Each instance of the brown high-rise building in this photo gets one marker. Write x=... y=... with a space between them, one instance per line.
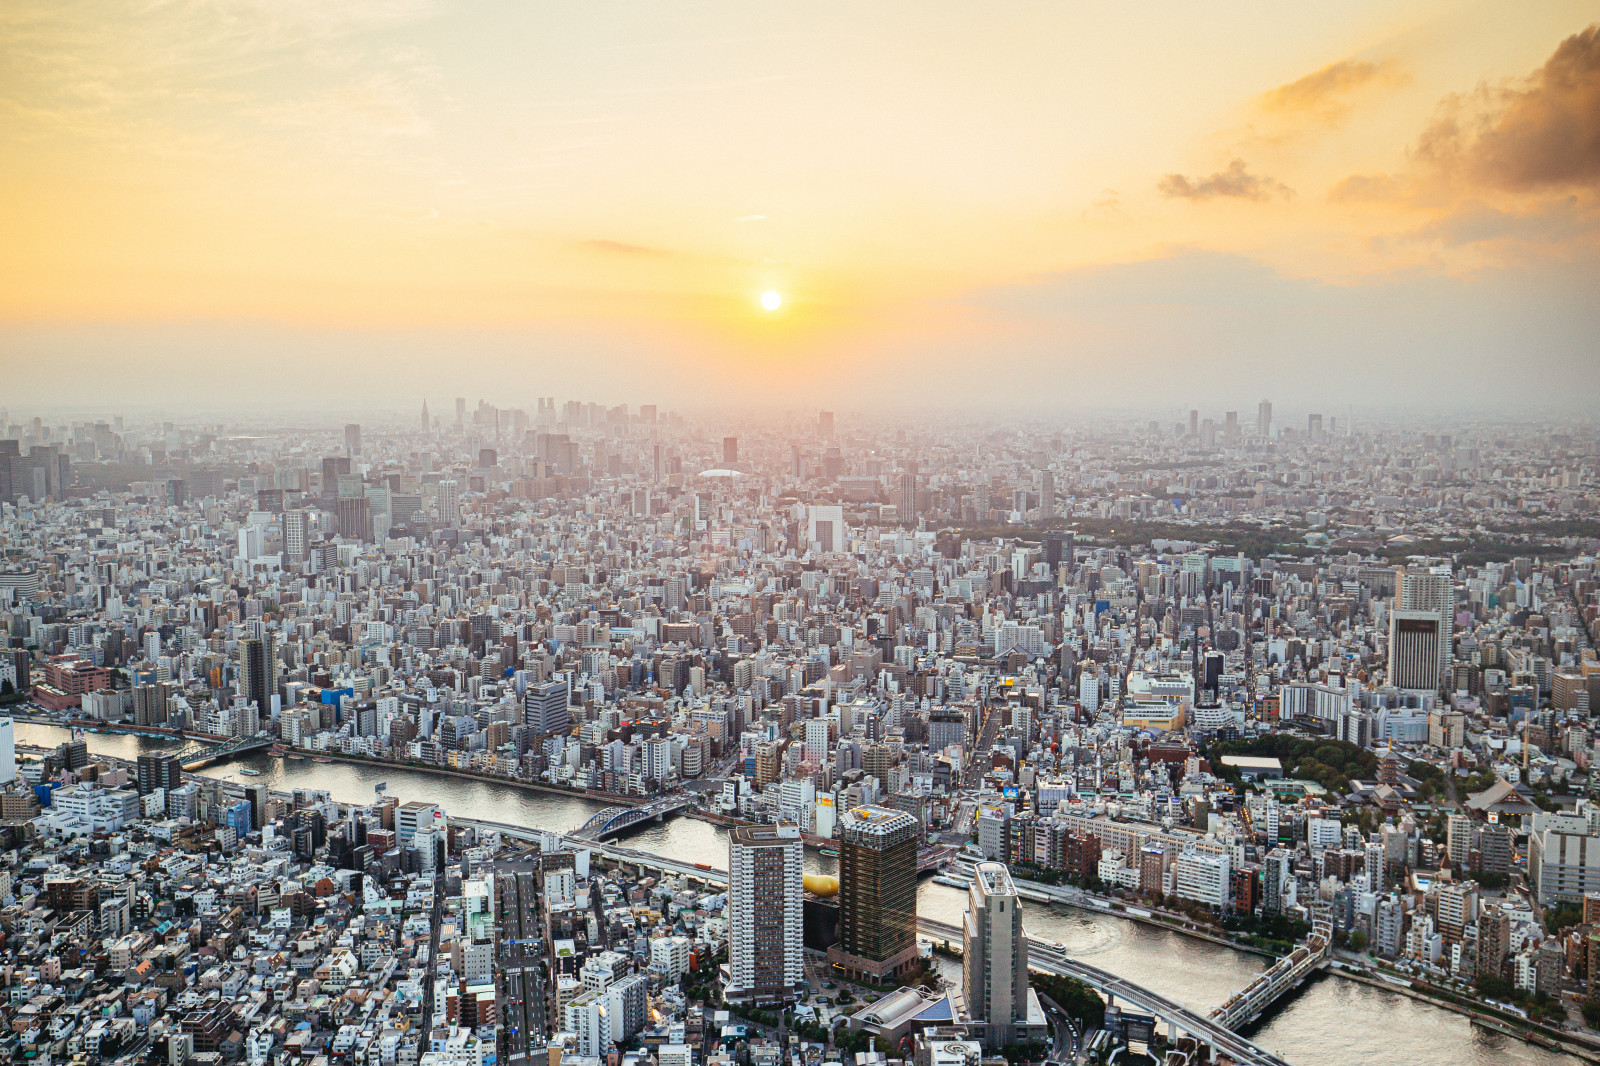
x=1494 y=942
x=877 y=894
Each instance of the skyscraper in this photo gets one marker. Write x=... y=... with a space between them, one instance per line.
x=877 y=894
x=296 y=534
x=1058 y=548
x=1414 y=658
x=1264 y=420
x=730 y=450
x=449 y=501
x=995 y=954
x=352 y=440
x=765 y=920
x=257 y=680
x=825 y=425
x=1047 y=495
x=332 y=467
x=355 y=519
x=826 y=528
x=1431 y=590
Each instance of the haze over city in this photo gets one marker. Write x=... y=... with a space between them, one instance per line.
x=1062 y=205
x=718 y=533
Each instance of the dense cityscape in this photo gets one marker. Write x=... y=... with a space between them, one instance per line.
x=1302 y=687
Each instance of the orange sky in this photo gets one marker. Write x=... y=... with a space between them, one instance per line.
x=594 y=195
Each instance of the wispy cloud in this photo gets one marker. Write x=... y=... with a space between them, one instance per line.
x=1234 y=183
x=602 y=244
x=1327 y=94
x=1367 y=189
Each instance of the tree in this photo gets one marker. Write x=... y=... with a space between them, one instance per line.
x=6 y=687
x=1591 y=1013
x=1561 y=916
x=1358 y=941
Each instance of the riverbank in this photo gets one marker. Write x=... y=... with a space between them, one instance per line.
x=1503 y=1023
x=473 y=775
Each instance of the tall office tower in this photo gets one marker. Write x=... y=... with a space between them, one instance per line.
x=1264 y=420
x=877 y=894
x=656 y=461
x=252 y=542
x=765 y=921
x=257 y=671
x=355 y=518
x=461 y=411
x=1414 y=638
x=296 y=534
x=352 y=440
x=1434 y=590
x=1314 y=427
x=159 y=770
x=1047 y=496
x=332 y=467
x=1230 y=425
x=258 y=796
x=825 y=425
x=1058 y=548
x=907 y=501
x=1194 y=423
x=994 y=969
x=826 y=528
x=449 y=501
x=427 y=423
x=794 y=461
x=730 y=450
x=544 y=707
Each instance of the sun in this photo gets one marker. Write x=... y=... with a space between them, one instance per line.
x=771 y=300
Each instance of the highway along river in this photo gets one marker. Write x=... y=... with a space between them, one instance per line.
x=1332 y=1022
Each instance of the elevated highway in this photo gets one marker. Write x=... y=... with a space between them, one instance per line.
x=1043 y=955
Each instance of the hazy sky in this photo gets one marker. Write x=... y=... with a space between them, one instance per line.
x=960 y=204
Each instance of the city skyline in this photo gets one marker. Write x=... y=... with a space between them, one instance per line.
x=1063 y=208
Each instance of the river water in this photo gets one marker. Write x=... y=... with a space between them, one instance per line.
x=1331 y=1022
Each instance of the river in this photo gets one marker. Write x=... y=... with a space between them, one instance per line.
x=1330 y=1022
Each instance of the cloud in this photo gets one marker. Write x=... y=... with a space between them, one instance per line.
x=1367 y=189
x=1537 y=133
x=1325 y=94
x=602 y=244
x=1557 y=223
x=1235 y=183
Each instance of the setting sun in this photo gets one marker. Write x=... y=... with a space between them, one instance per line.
x=771 y=300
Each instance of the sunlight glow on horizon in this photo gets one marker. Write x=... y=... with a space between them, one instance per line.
x=1065 y=183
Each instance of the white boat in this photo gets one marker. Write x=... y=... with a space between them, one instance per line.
x=248 y=772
